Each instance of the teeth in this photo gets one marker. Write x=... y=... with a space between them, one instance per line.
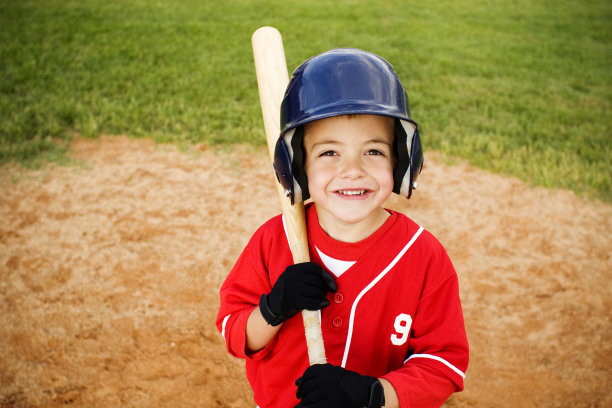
x=352 y=192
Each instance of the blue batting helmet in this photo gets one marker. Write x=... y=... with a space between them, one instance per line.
x=344 y=82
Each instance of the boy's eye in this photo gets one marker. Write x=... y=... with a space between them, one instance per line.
x=328 y=153
x=374 y=152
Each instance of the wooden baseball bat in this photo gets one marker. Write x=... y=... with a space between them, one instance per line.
x=272 y=80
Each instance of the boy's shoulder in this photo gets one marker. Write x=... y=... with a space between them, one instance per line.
x=272 y=224
x=270 y=228
x=403 y=218
x=410 y=227
x=271 y=234
x=406 y=224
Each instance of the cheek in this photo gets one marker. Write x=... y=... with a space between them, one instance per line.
x=311 y=174
x=315 y=175
x=384 y=176
x=308 y=170
x=388 y=184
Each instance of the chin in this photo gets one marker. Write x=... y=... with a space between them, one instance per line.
x=350 y=216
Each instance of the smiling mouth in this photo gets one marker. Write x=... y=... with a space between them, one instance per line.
x=352 y=192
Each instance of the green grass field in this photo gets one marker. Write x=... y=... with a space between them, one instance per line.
x=515 y=86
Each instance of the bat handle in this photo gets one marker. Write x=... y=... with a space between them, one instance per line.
x=314 y=337
x=295 y=223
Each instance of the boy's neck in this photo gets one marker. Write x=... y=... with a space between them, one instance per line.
x=351 y=232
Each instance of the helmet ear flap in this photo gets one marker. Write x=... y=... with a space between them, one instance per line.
x=298 y=161
x=402 y=157
x=409 y=153
x=289 y=165
x=282 y=168
x=416 y=160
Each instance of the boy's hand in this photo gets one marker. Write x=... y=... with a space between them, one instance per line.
x=300 y=286
x=329 y=386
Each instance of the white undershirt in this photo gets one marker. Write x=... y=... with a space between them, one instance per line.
x=335 y=266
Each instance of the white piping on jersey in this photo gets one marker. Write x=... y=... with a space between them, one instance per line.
x=370 y=286
x=223 y=326
x=440 y=359
x=335 y=266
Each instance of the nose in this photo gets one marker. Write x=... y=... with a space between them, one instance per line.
x=352 y=168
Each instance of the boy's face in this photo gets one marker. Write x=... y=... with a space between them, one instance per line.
x=349 y=166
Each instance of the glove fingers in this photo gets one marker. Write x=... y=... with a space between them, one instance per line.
x=310 y=274
x=311 y=390
x=315 y=273
x=329 y=281
x=312 y=395
x=311 y=297
x=315 y=288
x=314 y=400
x=324 y=303
x=314 y=305
x=323 y=279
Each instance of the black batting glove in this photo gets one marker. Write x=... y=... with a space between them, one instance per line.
x=329 y=386
x=300 y=286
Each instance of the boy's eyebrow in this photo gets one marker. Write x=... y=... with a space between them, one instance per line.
x=326 y=142
x=336 y=142
x=381 y=141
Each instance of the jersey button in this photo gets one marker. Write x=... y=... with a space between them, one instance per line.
x=337 y=322
x=338 y=298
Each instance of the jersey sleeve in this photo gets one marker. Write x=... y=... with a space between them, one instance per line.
x=240 y=293
x=439 y=354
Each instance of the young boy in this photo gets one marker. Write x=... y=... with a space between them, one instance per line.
x=387 y=292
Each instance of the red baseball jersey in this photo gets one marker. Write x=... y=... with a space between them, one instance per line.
x=396 y=314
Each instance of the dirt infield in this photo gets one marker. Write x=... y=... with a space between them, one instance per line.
x=109 y=278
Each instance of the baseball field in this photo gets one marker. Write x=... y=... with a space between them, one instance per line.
x=110 y=274
x=133 y=171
